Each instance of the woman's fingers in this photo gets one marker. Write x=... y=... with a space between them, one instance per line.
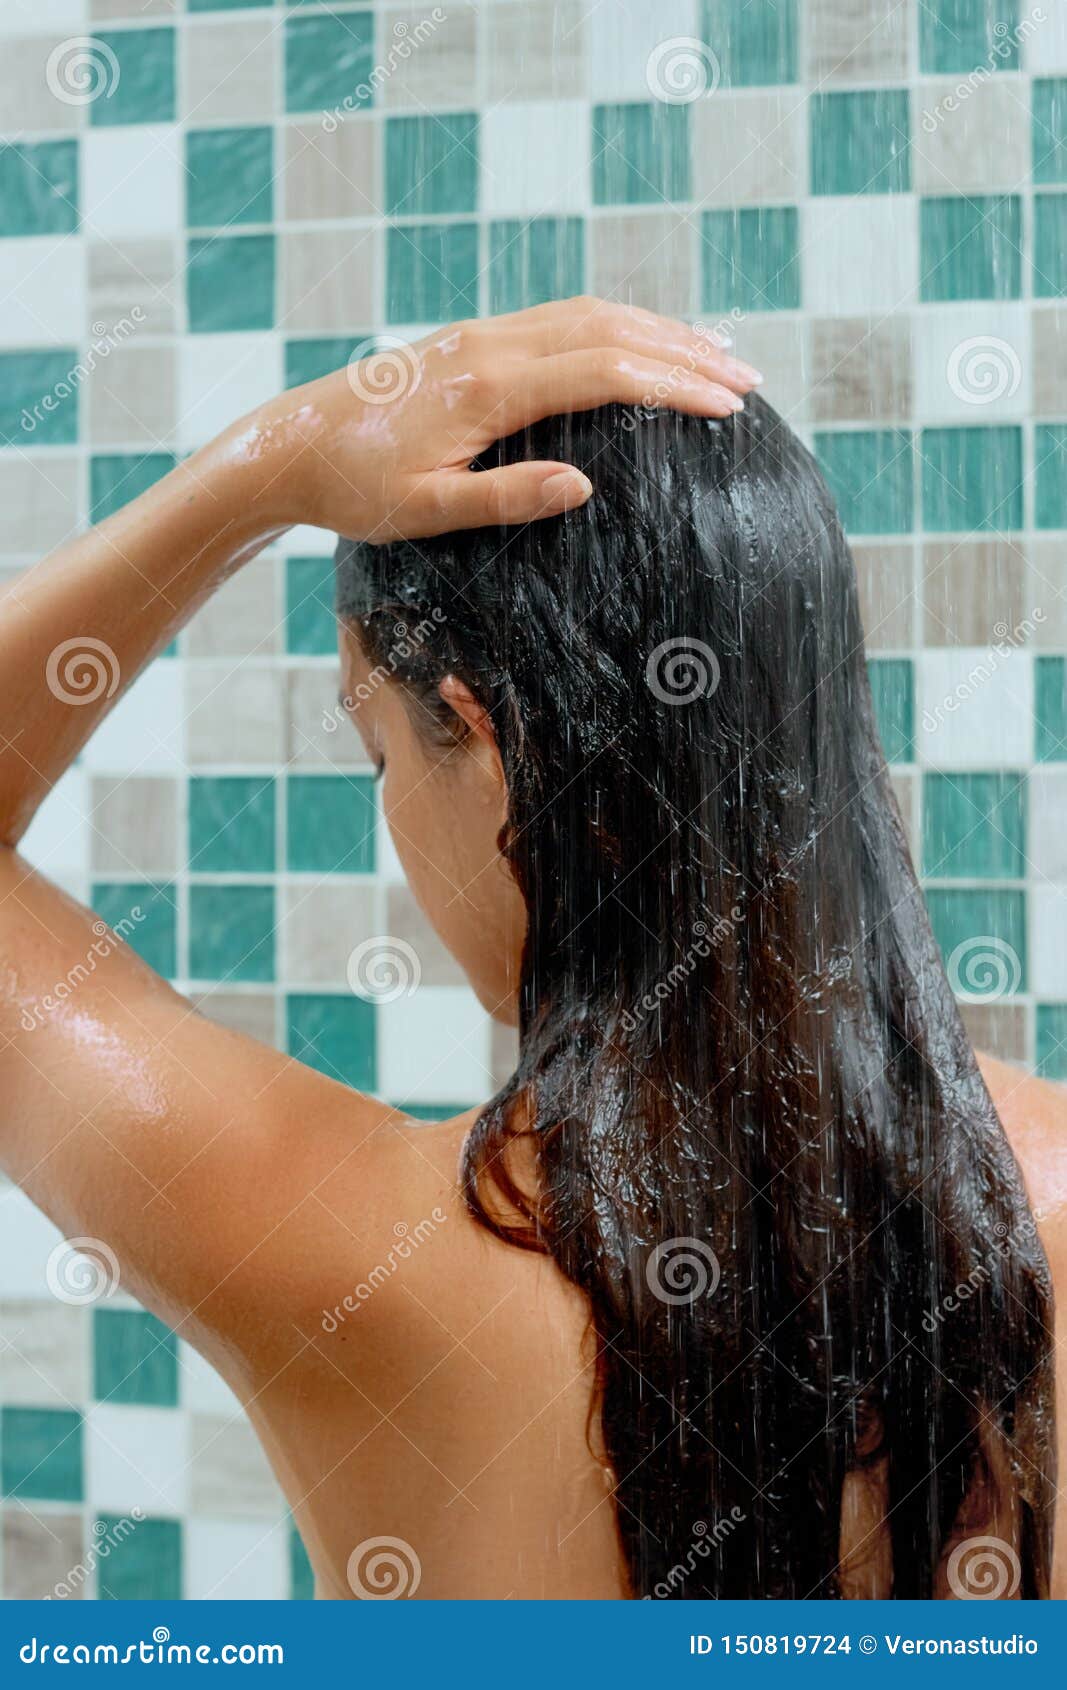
x=579 y=381
x=581 y=324
x=461 y=498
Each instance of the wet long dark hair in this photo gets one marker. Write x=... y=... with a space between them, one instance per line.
x=764 y=1150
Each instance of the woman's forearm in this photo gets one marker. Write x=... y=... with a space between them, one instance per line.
x=78 y=628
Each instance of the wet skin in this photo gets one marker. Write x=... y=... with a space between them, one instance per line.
x=440 y=1396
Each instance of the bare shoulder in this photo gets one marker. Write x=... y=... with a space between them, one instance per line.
x=1034 y=1116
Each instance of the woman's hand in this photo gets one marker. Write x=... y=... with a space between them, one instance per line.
x=382 y=449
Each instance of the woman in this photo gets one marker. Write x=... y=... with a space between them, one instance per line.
x=630 y=766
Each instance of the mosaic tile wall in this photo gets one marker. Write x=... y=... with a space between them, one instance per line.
x=215 y=198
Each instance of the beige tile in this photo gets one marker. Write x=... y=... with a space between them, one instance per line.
x=857 y=40
x=321 y=926
x=231 y=69
x=30 y=105
x=234 y=717
x=135 y=825
x=250 y=1013
x=973 y=592
x=999 y=1030
x=138 y=282
x=332 y=175
x=1048 y=326
x=775 y=345
x=429 y=65
x=42 y=1555
x=317 y=737
x=860 y=369
x=536 y=50
x=404 y=920
x=38 y=502
x=44 y=1358
x=905 y=787
x=748 y=148
x=885 y=574
x=329 y=279
x=229 y=1474
x=242 y=619
x=644 y=260
x=1046 y=590
x=132 y=397
x=981 y=146
x=135 y=11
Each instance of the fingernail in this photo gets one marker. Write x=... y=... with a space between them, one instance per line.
x=567 y=485
x=746 y=372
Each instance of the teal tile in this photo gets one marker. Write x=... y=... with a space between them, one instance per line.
x=310 y=624
x=308 y=360
x=231 y=825
x=328 y=60
x=1050 y=710
x=221 y=5
x=433 y=1111
x=135 y=1358
x=431 y=272
x=1049 y=129
x=974 y=826
x=893 y=691
x=754 y=41
x=871 y=475
x=1052 y=1041
x=860 y=142
x=301 y=1574
x=640 y=154
x=972 y=479
x=145 y=916
x=750 y=259
x=1050 y=475
x=117 y=477
x=38 y=188
x=982 y=935
x=431 y=164
x=39 y=398
x=335 y=1035
x=967 y=35
x=41 y=1454
x=143 y=1565
x=1050 y=246
x=143 y=86
x=971 y=248
x=229 y=176
x=533 y=262
x=230 y=283
x=331 y=823
x=231 y=933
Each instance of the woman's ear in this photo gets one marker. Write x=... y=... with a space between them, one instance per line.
x=480 y=740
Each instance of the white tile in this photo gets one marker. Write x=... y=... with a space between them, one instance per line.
x=42 y=17
x=57 y=840
x=220 y=378
x=1046 y=48
x=390 y=868
x=637 y=47
x=1048 y=823
x=1048 y=952
x=228 y=1560
x=201 y=1388
x=535 y=158
x=434 y=1047
x=27 y=1239
x=42 y=291
x=970 y=362
x=136 y=1458
x=860 y=254
x=974 y=708
x=305 y=541
x=132 y=181
x=145 y=731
